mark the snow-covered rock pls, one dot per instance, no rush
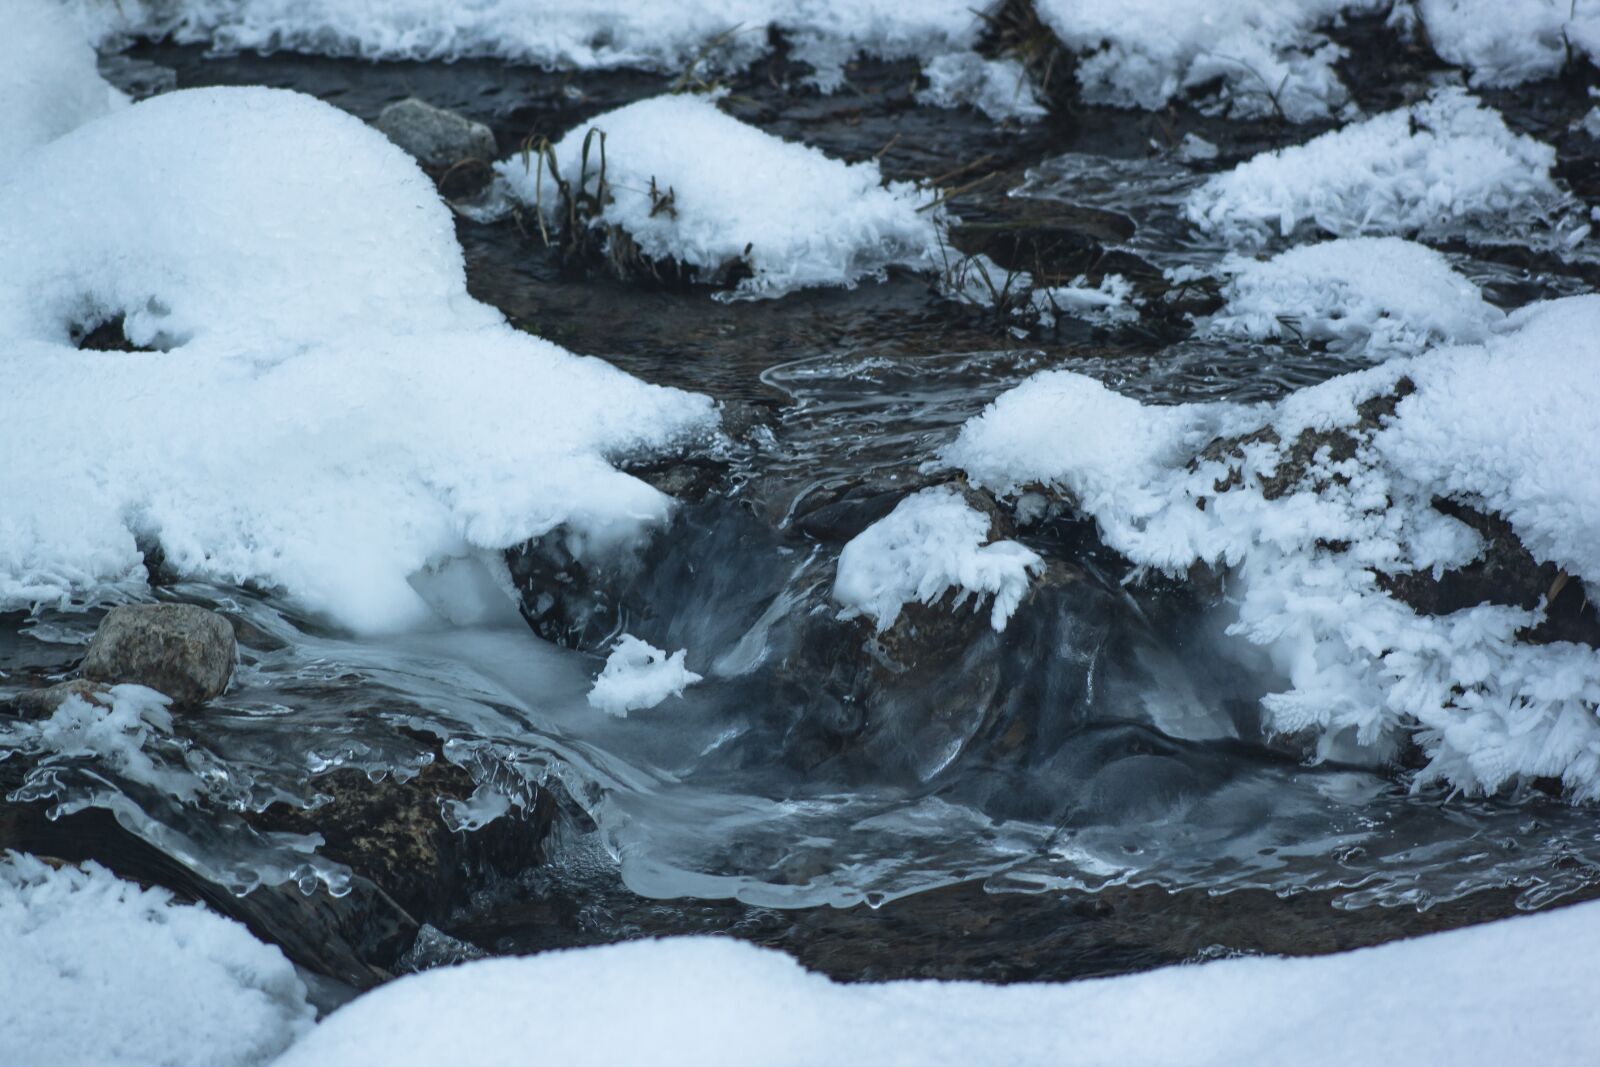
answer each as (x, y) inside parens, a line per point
(1514, 991)
(1323, 508)
(1503, 43)
(690, 184)
(332, 412)
(1444, 167)
(98, 970)
(933, 542)
(48, 80)
(638, 675)
(1370, 295)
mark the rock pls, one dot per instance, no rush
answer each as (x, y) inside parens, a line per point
(181, 650)
(435, 136)
(42, 703)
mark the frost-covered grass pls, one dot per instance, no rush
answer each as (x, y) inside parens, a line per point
(1308, 525)
(1373, 296)
(99, 971)
(638, 675)
(1267, 53)
(689, 184)
(1444, 167)
(332, 412)
(931, 544)
(1516, 991)
(48, 80)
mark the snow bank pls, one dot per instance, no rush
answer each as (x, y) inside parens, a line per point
(1514, 991)
(1000, 88)
(1444, 167)
(1142, 53)
(1369, 295)
(932, 542)
(334, 413)
(572, 34)
(1309, 525)
(100, 971)
(48, 79)
(638, 675)
(692, 184)
(1507, 42)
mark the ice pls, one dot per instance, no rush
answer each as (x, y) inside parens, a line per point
(691, 184)
(931, 543)
(637, 675)
(304, 280)
(1000, 88)
(1444, 167)
(1507, 42)
(48, 80)
(98, 970)
(1109, 303)
(1514, 991)
(111, 730)
(1143, 53)
(577, 34)
(1508, 427)
(1372, 296)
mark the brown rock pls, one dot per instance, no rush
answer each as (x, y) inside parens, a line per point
(181, 650)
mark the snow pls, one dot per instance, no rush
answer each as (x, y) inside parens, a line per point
(637, 675)
(98, 970)
(1508, 42)
(48, 80)
(1508, 426)
(305, 279)
(1000, 88)
(1514, 991)
(931, 543)
(1444, 167)
(797, 217)
(1143, 53)
(1109, 303)
(578, 34)
(1368, 295)
(113, 730)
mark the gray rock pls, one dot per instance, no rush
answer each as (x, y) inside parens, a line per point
(42, 703)
(435, 136)
(181, 650)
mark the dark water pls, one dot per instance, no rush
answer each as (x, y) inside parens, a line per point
(1090, 792)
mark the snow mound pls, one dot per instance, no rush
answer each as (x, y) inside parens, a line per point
(691, 184)
(334, 414)
(932, 542)
(638, 675)
(98, 970)
(1267, 53)
(1504, 43)
(48, 80)
(579, 34)
(1368, 295)
(1000, 88)
(1513, 991)
(1444, 167)
(1322, 503)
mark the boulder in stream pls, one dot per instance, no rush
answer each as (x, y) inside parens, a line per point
(181, 650)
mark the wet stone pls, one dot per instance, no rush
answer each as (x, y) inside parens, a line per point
(42, 703)
(181, 650)
(434, 136)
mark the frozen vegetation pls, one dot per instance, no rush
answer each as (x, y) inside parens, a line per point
(339, 340)
(100, 971)
(933, 543)
(1321, 504)
(638, 675)
(1445, 167)
(1513, 991)
(1371, 296)
(690, 184)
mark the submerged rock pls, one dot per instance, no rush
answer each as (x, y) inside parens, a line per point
(435, 136)
(181, 650)
(41, 703)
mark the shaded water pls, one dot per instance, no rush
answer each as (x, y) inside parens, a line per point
(1109, 739)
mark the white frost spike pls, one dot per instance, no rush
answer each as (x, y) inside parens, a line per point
(932, 542)
(639, 675)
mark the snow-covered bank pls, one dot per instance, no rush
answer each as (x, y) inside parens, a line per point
(48, 80)
(99, 971)
(1508, 42)
(1323, 504)
(332, 413)
(690, 184)
(1516, 991)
